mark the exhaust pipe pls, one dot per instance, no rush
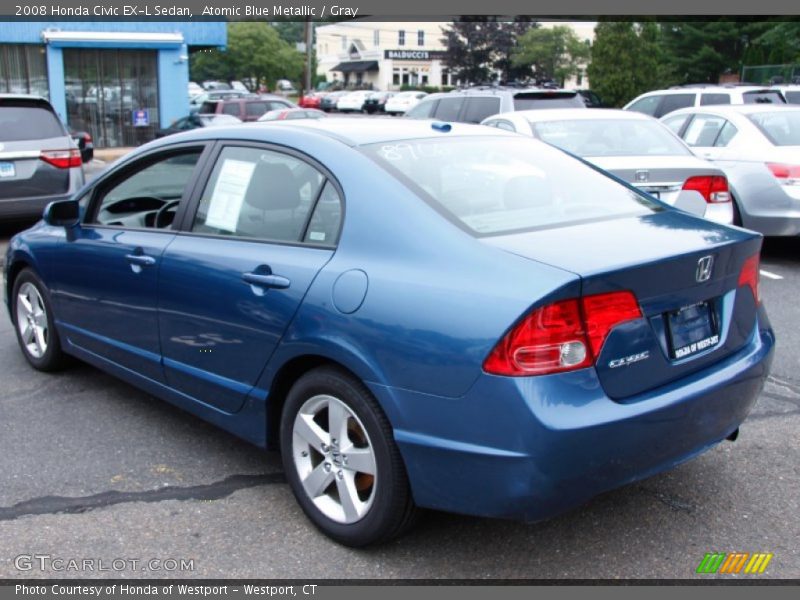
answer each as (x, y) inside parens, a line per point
(734, 434)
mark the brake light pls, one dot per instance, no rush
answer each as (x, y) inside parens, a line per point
(563, 336)
(713, 188)
(785, 174)
(62, 159)
(750, 276)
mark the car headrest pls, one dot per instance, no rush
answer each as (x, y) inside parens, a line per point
(271, 187)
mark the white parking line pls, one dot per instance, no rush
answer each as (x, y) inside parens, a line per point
(769, 275)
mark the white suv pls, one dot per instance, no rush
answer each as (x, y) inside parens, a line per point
(790, 91)
(659, 103)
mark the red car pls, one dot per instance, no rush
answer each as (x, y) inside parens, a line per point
(311, 100)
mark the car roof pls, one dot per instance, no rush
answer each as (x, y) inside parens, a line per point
(708, 88)
(562, 114)
(5, 96)
(352, 132)
(727, 109)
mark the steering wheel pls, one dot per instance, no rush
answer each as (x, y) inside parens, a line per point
(160, 215)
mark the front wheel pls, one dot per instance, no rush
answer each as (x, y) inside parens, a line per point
(33, 322)
(341, 460)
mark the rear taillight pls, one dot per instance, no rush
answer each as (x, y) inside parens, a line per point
(785, 174)
(62, 159)
(749, 276)
(714, 188)
(562, 336)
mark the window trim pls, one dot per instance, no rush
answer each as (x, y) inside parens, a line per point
(187, 218)
(135, 164)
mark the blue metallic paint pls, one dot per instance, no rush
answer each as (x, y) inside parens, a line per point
(437, 301)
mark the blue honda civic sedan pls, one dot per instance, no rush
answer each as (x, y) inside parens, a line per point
(417, 314)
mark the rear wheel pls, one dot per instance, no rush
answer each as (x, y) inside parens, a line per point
(33, 322)
(341, 460)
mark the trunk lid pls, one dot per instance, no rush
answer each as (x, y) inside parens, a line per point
(694, 313)
(660, 176)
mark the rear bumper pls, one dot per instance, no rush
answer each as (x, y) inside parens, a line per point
(26, 208)
(530, 448)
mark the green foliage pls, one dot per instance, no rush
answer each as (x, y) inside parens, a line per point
(701, 51)
(479, 46)
(255, 52)
(553, 53)
(626, 61)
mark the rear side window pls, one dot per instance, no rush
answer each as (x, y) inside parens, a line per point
(208, 108)
(255, 193)
(674, 102)
(26, 121)
(710, 99)
(255, 109)
(449, 109)
(770, 97)
(480, 108)
(231, 108)
(726, 135)
(492, 186)
(792, 97)
(323, 228)
(533, 100)
(703, 130)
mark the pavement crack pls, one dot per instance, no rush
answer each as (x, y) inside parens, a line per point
(46, 505)
(671, 501)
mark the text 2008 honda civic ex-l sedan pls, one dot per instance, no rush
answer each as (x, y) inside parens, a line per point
(417, 314)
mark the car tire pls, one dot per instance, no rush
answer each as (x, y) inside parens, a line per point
(737, 215)
(329, 474)
(32, 316)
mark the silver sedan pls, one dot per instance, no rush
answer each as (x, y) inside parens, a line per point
(634, 147)
(758, 147)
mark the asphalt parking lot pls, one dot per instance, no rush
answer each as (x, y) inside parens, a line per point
(95, 469)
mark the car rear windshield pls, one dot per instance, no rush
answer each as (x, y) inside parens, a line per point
(26, 121)
(532, 100)
(493, 185)
(610, 137)
(767, 97)
(782, 128)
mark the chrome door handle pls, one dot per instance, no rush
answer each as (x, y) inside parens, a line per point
(141, 260)
(266, 281)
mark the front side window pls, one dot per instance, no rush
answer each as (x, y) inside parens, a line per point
(449, 109)
(148, 197)
(492, 186)
(480, 108)
(647, 106)
(255, 193)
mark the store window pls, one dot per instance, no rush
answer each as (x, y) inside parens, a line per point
(23, 69)
(112, 94)
(420, 38)
(401, 38)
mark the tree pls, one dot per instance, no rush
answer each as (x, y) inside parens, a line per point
(256, 53)
(626, 61)
(479, 46)
(553, 53)
(700, 51)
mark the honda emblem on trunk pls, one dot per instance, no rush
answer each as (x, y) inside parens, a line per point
(642, 175)
(705, 266)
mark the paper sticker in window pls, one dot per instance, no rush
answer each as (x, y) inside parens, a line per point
(228, 195)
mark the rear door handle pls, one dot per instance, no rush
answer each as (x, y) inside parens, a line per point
(266, 281)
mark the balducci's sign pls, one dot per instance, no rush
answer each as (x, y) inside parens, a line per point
(413, 54)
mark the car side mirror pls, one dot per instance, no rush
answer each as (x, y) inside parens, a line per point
(62, 213)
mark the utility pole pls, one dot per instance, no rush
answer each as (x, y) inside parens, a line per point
(309, 35)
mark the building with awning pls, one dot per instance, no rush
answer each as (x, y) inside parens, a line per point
(120, 81)
(382, 56)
